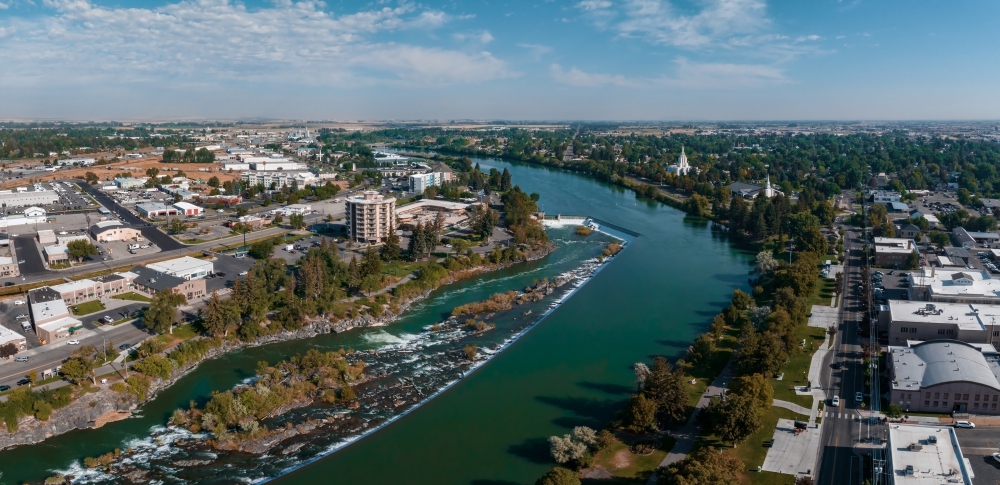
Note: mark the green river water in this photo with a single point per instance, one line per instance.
(491, 428)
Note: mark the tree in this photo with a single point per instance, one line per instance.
(80, 366)
(391, 250)
(912, 261)
(242, 211)
(765, 263)
(505, 180)
(220, 315)
(471, 351)
(213, 181)
(665, 386)
(261, 249)
(705, 466)
(80, 249)
(804, 480)
(32, 376)
(697, 205)
(640, 414)
(735, 418)
(756, 387)
(559, 476)
(418, 242)
(91, 178)
(893, 411)
(7, 350)
(162, 311)
(176, 226)
(939, 239)
(566, 449)
(297, 221)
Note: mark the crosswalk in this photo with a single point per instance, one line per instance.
(833, 415)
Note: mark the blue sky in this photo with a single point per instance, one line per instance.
(521, 60)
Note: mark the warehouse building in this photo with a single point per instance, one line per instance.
(187, 268)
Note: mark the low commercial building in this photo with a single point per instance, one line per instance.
(963, 238)
(107, 231)
(293, 209)
(958, 255)
(65, 239)
(187, 268)
(10, 337)
(28, 198)
(51, 315)
(954, 286)
(943, 376)
(155, 209)
(907, 231)
(8, 261)
(130, 183)
(925, 455)
(46, 236)
(885, 197)
(910, 320)
(188, 209)
(893, 252)
(370, 217)
(151, 282)
(56, 254)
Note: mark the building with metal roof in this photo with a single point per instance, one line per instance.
(926, 455)
(943, 376)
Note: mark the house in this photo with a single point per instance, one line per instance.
(944, 376)
(106, 231)
(893, 252)
(56, 254)
(907, 230)
(151, 282)
(186, 267)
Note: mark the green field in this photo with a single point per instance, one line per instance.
(88, 308)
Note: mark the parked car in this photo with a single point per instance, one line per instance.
(21, 316)
(124, 346)
(965, 424)
(4, 388)
(19, 302)
(996, 456)
(858, 397)
(108, 319)
(21, 359)
(244, 273)
(73, 342)
(23, 382)
(9, 283)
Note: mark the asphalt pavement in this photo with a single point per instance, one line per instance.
(26, 251)
(163, 241)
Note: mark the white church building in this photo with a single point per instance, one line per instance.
(682, 167)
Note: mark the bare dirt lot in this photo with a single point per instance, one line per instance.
(135, 167)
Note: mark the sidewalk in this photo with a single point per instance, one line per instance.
(688, 434)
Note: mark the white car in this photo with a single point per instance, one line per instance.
(73, 342)
(19, 302)
(835, 402)
(965, 424)
(996, 457)
(244, 273)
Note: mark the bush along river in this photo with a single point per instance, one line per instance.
(573, 369)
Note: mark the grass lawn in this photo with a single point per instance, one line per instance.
(132, 296)
(823, 292)
(797, 369)
(627, 468)
(401, 268)
(181, 333)
(88, 307)
(751, 453)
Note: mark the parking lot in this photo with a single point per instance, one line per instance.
(110, 251)
(231, 267)
(978, 445)
(8, 317)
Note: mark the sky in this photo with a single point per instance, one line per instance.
(669, 60)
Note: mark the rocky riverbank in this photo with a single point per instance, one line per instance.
(87, 411)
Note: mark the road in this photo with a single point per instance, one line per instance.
(53, 355)
(163, 241)
(843, 449)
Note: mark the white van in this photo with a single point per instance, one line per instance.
(132, 247)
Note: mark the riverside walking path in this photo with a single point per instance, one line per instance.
(688, 434)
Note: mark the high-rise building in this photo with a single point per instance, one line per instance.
(371, 217)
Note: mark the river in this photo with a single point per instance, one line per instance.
(572, 369)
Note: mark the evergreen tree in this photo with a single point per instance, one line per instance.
(505, 182)
(391, 250)
(418, 242)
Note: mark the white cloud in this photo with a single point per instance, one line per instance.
(483, 37)
(807, 38)
(4, 6)
(576, 77)
(536, 50)
(658, 22)
(212, 41)
(688, 75)
(591, 5)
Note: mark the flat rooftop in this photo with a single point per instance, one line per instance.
(933, 453)
(180, 265)
(423, 204)
(965, 316)
(965, 282)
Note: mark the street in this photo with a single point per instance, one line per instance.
(843, 449)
